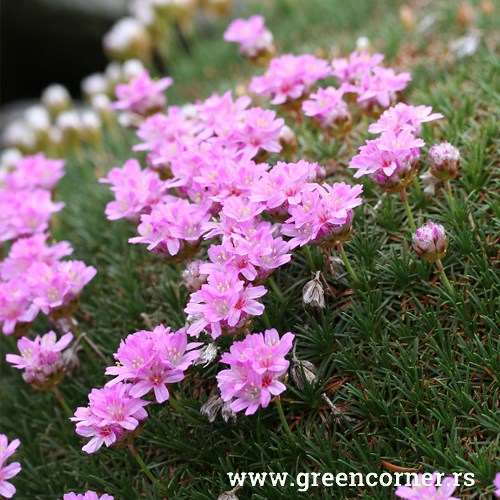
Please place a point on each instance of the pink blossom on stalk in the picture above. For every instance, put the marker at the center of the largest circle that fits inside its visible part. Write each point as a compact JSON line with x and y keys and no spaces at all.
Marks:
{"x":136,"y":191}
{"x":260,"y":130}
{"x":390,"y":160}
{"x":25,"y":212}
{"x":88,"y":495}
{"x":7,"y":490}
{"x":172,"y":227}
{"x":257,"y":364}
{"x":111,"y":412}
{"x":150,"y":360}
{"x":142,"y":95}
{"x":35,"y":171}
{"x":16,"y":305}
{"x":290,"y":77}
{"x":381,"y":87}
{"x":41,"y":358}
{"x":223,"y":302}
{"x":25,"y":251}
{"x":417,"y":490}
{"x":430,"y":242}
{"x":327,"y":107}
{"x":404,"y":117}
{"x":323,"y":215}
{"x":251,"y":34}
{"x":351,"y":71}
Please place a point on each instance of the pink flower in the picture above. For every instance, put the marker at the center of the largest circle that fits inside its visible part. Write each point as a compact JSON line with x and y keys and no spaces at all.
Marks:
{"x":136,"y":191}
{"x":41,"y":358}
{"x":223,"y":302}
{"x":404,"y":117}
{"x":327,"y":107}
{"x":110,"y":414}
{"x":88,"y":495}
{"x":260,"y":130}
{"x":290,"y":77}
{"x":25,"y":251}
{"x":430,"y":242}
{"x":150,"y":360}
{"x":390,"y":159}
{"x":496,"y":484}
{"x":251,"y":34}
{"x":35,"y":171}
{"x":417,"y":490}
{"x":192,"y":276}
{"x":16,"y":304}
{"x":142,"y":95}
{"x":381,"y":87}
{"x":256,"y":365}
{"x":323,"y":215}
{"x":25,"y":212}
{"x":7,"y":490}
{"x":172,"y":227}
{"x":351,"y":71}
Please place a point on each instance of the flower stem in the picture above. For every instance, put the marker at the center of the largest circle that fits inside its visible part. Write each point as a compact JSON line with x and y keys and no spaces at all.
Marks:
{"x":347,"y":265}
{"x":276,"y":290}
{"x":404,"y":198}
{"x":283,"y":419}
{"x":309,"y":257}
{"x":141,"y":463}
{"x":265,"y":317}
{"x":62,"y":402}
{"x":444,"y":277}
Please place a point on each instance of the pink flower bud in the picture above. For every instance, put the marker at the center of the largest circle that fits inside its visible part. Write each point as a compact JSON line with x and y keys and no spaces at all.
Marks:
{"x":430,"y":242}
{"x":445,"y":161}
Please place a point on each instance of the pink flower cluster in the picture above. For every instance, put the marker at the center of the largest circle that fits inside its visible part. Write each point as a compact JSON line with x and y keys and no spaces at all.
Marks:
{"x":391,"y":160}
{"x":374,"y":85}
{"x":33,"y":278}
{"x":41,"y":359}
{"x":88,"y":495}
{"x":150,"y":360}
{"x":110,"y":414}
{"x":256,"y":365}
{"x":26,"y":204}
{"x":142,"y":96}
{"x":7,"y":490}
{"x":290,"y":77}
{"x":252,"y":35}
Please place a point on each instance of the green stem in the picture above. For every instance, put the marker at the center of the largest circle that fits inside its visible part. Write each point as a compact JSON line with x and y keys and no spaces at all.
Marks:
{"x":347,"y":265}
{"x":276,"y":290}
{"x":141,"y":463}
{"x":309,"y":257}
{"x":417,"y":187}
{"x":404,"y":198}
{"x":62,"y":402}
{"x":283,"y":419}
{"x":449,"y":195}
{"x":444,"y":277}
{"x":265,"y":317}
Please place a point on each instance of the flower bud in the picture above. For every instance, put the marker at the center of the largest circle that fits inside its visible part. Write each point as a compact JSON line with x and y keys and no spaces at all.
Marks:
{"x":229,"y":495}
{"x":70,"y":126}
{"x":431,"y":183}
{"x":207,"y":354}
{"x":287,"y":140}
{"x":91,"y":126}
{"x":56,"y":99}
{"x":19,"y":135}
{"x":313,"y":294}
{"x":9,"y":157}
{"x":131,"y":69}
{"x":445,"y":161}
{"x":38,"y":119}
{"x":127,"y":38}
{"x":430,"y":242}
{"x":191,"y":276}
{"x":226,"y":412}
{"x":302,"y":372}
{"x":211,"y":407}
{"x":363,"y":43}
{"x":94,"y":84}
{"x":101,"y":104}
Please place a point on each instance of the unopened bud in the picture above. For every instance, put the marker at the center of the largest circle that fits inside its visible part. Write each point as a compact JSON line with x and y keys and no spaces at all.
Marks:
{"x":363,"y":43}
{"x":211,"y":407}
{"x":430,"y":242}
{"x":302,"y":372}
{"x":431,"y":183}
{"x":313,"y":294}
{"x":56,"y":99}
{"x":94,"y":84}
{"x":288,"y":140}
{"x":445,"y":161}
{"x":229,"y":495}
{"x":91,"y":126}
{"x":191,"y":276}
{"x":9,"y":157}
{"x":128,"y":38}
{"x":131,"y":69}
{"x":208,"y":353}
{"x":226,"y":412}
{"x":101,"y":104}
{"x":18,"y":134}
{"x":70,"y":125}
